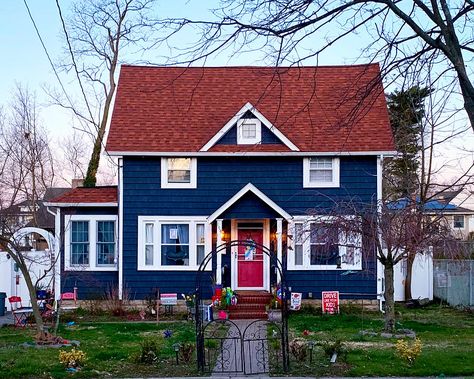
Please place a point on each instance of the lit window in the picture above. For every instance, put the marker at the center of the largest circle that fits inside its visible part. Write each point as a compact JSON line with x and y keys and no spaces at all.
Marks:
{"x":321,"y":172}
{"x":178,"y":172}
{"x":459,"y":221}
{"x":249,"y":131}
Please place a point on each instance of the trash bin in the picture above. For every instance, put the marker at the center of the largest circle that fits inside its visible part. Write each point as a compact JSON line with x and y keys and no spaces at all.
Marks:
{"x":3,"y":296}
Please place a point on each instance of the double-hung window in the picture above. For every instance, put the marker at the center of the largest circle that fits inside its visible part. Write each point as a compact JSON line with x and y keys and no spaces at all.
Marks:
{"x":458,"y":221}
{"x":105,"y":243}
{"x":320,"y":245}
{"x":172,"y":243}
{"x":321,"y":172}
{"x":178,"y":172}
{"x":79,"y":243}
{"x":90,"y":242}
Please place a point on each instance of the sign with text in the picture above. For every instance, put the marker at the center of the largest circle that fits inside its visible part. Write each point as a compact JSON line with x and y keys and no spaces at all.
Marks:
{"x":296,"y":301}
{"x":330,"y":302}
{"x":169,"y":299}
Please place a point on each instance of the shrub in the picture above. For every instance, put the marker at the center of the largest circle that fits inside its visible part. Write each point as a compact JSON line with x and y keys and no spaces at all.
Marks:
{"x":72,"y":359}
{"x":186,"y":351}
{"x":149,"y":350}
{"x":331,"y":347}
{"x":409,"y":351}
{"x":299,"y":349}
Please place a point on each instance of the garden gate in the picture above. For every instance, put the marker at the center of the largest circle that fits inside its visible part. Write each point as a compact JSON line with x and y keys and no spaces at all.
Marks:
{"x":241,"y":346}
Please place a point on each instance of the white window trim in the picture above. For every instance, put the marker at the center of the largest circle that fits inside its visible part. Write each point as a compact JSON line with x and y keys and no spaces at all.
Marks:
{"x":335,"y":175}
{"x":258,"y":131}
{"x":164,"y":175}
{"x":306,"y":266}
{"x":157,"y":221}
{"x":92,"y":219}
{"x":463,"y":222}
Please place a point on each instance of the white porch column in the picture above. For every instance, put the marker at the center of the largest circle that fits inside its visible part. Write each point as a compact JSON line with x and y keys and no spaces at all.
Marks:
{"x":279,"y":236}
{"x":219,"y":256}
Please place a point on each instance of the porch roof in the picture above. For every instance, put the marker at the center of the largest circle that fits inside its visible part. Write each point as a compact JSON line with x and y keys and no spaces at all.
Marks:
{"x":249,"y":189}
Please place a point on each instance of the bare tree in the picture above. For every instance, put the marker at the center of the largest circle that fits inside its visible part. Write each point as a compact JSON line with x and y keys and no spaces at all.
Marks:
{"x":98,"y":33}
{"x":26,"y":171}
{"x":411,"y":38}
{"x":26,"y":162}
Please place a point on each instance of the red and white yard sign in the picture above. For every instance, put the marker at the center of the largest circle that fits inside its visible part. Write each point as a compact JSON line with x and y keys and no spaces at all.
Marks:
{"x":330,"y":302}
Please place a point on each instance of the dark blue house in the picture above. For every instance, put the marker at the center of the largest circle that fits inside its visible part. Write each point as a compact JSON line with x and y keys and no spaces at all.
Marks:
{"x":211,"y":155}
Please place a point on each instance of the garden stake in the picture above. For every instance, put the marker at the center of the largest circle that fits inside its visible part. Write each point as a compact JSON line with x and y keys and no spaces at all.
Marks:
{"x":310,"y":347}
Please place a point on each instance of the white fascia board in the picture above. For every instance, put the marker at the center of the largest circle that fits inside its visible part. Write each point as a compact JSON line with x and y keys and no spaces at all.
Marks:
{"x":81,"y":204}
{"x":249,"y":187}
{"x":238,"y":116}
{"x":249,"y":154}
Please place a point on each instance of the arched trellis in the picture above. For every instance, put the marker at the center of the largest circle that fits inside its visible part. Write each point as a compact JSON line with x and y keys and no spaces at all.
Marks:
{"x":53,"y":246}
{"x":275,"y":265}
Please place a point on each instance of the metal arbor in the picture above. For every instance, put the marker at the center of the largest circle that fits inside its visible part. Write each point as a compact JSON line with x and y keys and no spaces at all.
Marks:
{"x":231,"y":345}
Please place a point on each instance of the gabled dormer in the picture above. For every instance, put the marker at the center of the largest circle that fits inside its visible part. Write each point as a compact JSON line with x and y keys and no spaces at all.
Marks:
{"x":249,"y":127}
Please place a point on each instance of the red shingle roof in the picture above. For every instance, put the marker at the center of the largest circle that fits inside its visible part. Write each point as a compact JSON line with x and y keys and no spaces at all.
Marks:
{"x":319,"y":109}
{"x":82,"y":195}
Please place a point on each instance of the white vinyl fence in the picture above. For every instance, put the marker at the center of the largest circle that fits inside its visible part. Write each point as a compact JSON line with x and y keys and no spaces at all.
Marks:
{"x":454,"y":281}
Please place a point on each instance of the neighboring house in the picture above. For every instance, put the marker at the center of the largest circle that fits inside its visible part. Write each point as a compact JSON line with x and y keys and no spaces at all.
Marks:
{"x":210,"y":155}
{"x":23,"y":214}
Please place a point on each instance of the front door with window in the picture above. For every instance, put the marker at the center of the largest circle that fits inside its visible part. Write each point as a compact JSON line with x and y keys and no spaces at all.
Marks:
{"x":250,"y":259}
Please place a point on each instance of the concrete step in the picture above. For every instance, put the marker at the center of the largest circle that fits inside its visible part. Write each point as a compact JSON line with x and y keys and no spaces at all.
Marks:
{"x":237,"y":315}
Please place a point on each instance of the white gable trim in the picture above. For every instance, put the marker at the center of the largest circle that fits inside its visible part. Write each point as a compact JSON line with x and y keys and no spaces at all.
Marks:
{"x":263,"y":120}
{"x":249,"y":187}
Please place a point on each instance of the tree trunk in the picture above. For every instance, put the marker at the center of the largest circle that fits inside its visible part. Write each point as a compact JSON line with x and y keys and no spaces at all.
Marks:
{"x":410,"y":260}
{"x":389,"y":300}
{"x":34,"y":303}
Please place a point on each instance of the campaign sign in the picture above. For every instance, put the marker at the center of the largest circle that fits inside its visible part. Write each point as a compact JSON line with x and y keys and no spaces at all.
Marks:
{"x":330,"y":302}
{"x":295,"y":301}
{"x":169,"y":299}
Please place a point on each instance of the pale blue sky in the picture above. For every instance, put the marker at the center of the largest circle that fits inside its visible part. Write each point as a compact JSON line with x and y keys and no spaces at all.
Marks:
{"x":24,"y":61}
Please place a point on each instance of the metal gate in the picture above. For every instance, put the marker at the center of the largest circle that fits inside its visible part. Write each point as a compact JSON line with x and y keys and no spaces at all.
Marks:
{"x":241,"y":346}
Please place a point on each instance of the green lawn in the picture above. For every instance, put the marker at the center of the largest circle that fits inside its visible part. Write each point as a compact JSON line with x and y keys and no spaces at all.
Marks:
{"x":447,"y":336}
{"x":110,"y":349}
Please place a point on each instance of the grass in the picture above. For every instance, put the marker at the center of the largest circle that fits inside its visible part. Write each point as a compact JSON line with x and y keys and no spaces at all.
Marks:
{"x":110,"y":349}
{"x":447,"y":336}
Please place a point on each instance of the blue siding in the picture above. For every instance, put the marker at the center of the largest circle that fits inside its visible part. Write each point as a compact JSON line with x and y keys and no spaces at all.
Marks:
{"x":90,"y":284}
{"x":219,"y":178}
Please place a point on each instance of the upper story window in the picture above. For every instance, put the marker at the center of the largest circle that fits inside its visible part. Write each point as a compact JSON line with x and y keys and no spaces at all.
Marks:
{"x":321,"y":172}
{"x":90,"y":242}
{"x":249,"y":131}
{"x":458,"y":221}
{"x":178,"y":173}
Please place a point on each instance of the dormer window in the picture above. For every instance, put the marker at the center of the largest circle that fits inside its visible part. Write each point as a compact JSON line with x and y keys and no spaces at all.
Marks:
{"x":249,"y":131}
{"x":178,"y":173}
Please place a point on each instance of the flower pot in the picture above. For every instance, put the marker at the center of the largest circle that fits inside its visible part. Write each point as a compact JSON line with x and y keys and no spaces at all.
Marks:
{"x":223,"y":315}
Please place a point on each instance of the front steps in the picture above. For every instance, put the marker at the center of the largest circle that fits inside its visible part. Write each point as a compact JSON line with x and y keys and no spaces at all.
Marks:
{"x":250,"y":305}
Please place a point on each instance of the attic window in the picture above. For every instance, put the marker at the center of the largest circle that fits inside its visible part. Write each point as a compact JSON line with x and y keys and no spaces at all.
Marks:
{"x":249,"y":131}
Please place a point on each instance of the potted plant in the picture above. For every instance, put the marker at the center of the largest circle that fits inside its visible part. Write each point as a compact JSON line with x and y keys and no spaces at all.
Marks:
{"x":221,"y":304}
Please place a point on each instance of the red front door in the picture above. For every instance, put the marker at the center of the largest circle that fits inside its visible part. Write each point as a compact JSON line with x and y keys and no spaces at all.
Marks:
{"x":250,"y":259}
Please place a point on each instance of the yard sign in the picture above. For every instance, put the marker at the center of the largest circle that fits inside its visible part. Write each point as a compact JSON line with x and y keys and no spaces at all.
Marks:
{"x":169,"y":299}
{"x":295,"y":301}
{"x":330,"y":302}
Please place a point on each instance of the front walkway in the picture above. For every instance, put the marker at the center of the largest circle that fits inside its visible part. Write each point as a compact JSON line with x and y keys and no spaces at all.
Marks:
{"x":255,"y":350}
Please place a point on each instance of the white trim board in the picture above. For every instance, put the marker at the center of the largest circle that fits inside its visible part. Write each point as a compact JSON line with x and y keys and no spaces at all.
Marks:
{"x":250,"y":153}
{"x":249,"y":188}
{"x":237,"y":117}
{"x":81,"y":204}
